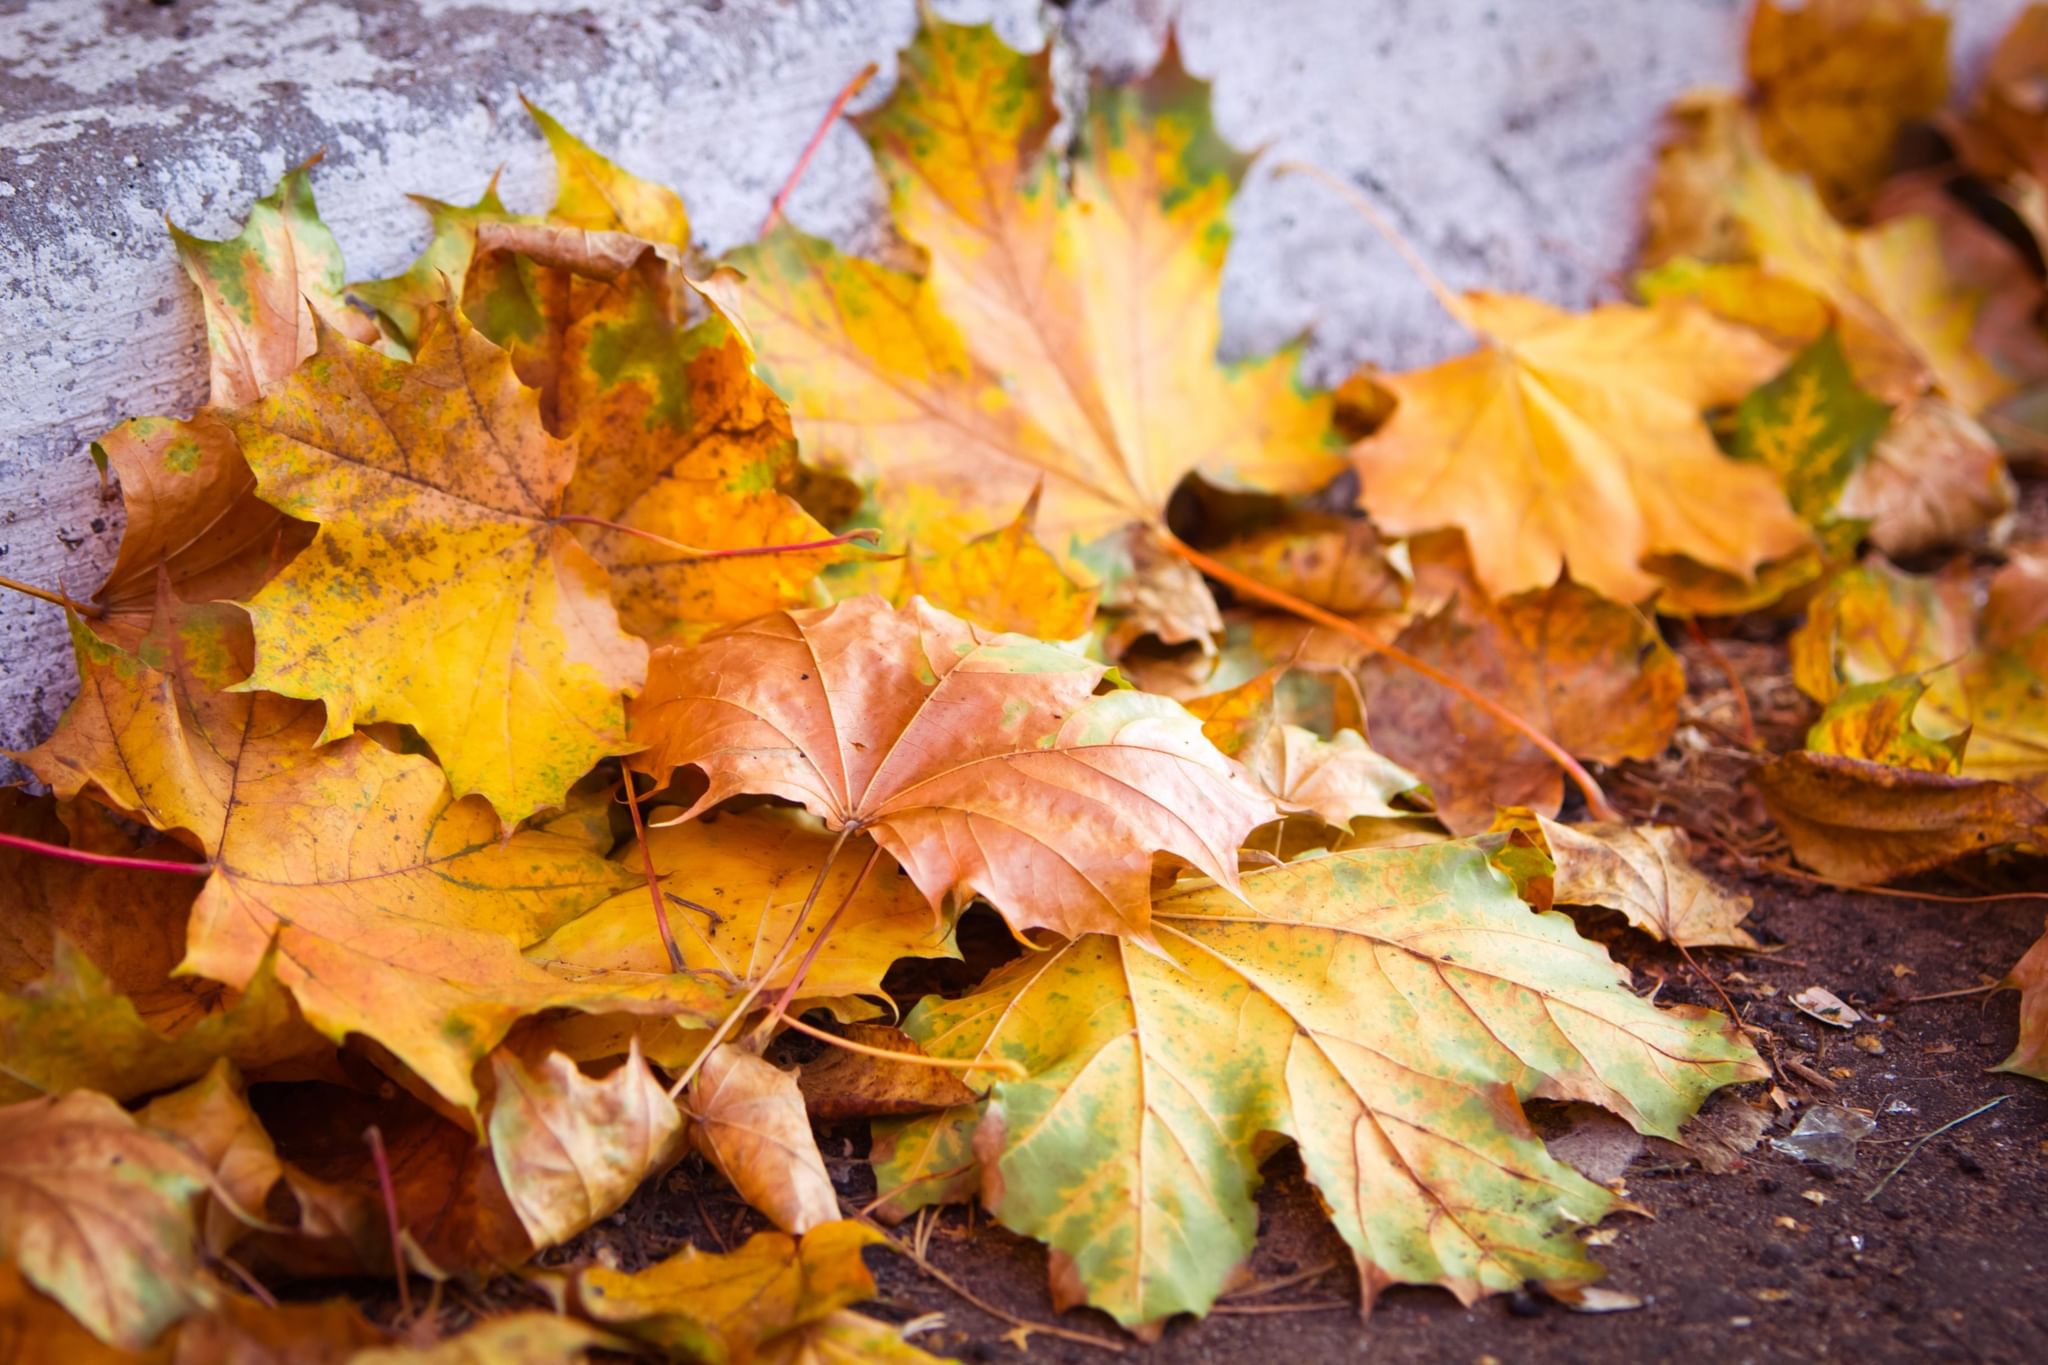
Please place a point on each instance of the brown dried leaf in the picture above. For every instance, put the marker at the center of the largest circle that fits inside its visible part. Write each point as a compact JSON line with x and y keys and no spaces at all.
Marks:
{"x":747,"y":1117}
{"x":843,"y":1085}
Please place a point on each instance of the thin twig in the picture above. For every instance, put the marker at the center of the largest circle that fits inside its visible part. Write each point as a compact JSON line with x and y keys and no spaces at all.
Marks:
{"x":1445,"y":296}
{"x":79,"y":855}
{"x":803,"y":966}
{"x":668,"y":938}
{"x":1948,"y":995}
{"x":1597,"y":804}
{"x":89,"y":610}
{"x":803,"y":160}
{"x":1914,"y":1150}
{"x":1003,"y":1314}
{"x":1787,"y":870}
{"x":1264,"y":1309}
{"x":1009,"y":1068}
{"x":375,"y":1138}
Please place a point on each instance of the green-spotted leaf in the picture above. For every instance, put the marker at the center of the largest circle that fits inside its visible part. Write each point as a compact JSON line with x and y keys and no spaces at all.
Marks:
{"x":1812,"y":426}
{"x":1386,"y":1009}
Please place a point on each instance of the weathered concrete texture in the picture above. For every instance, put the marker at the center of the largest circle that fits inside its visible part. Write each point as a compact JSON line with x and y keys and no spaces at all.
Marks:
{"x":1508,"y":139}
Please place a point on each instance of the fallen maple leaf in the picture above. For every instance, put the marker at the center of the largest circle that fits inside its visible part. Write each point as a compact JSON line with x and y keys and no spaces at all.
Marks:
{"x":1934,"y":478}
{"x":1646,"y":873}
{"x":450,"y":597}
{"x":1051,"y":316}
{"x":982,"y":763}
{"x":1384,"y":1009}
{"x":1337,"y":563}
{"x":1593,"y":672}
{"x":1874,"y":721}
{"x":571,"y":1149}
{"x":730,"y":1306}
{"x":1339,"y":779}
{"x":736,"y":883}
{"x":212,"y":1118}
{"x":97,"y":1212}
{"x":397,"y":912}
{"x":1576,"y":440}
{"x":1812,"y":427}
{"x":747,"y":1118}
{"x":1834,"y":81}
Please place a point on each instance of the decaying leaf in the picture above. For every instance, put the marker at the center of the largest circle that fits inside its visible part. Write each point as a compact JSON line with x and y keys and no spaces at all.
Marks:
{"x":97,"y":1212}
{"x":1646,"y":873}
{"x":843,"y":1085}
{"x":1863,"y":822}
{"x":1934,"y":478}
{"x":747,"y":1117}
{"x":731,"y":1307}
{"x":212,"y":1118}
{"x":982,"y":763}
{"x":1591,"y":673}
{"x":1055,"y":310}
{"x":570,"y":1149}
{"x":1339,"y":779}
{"x":451,"y":598}
{"x":1329,"y":1015}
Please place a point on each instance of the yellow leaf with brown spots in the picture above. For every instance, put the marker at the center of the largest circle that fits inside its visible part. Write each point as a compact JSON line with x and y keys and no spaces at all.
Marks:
{"x":440,"y":591}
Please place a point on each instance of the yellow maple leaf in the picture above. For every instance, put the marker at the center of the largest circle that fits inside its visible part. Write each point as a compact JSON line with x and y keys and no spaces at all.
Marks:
{"x":1575,"y":440}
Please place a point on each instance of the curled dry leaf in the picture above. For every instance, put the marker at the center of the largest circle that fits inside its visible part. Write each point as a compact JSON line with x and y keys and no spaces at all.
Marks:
{"x":1059,"y":302}
{"x":1339,"y":779}
{"x":734,"y":1306}
{"x":512,"y":668}
{"x":1575,"y":441}
{"x":212,"y":1118}
{"x":570,"y":1149}
{"x":1384,"y":1009}
{"x":1646,"y":873}
{"x":982,"y":763}
{"x":840,"y":1085}
{"x":98,"y":1213}
{"x":750,"y":872}
{"x":747,"y":1117}
{"x":1152,"y":594}
{"x":843,"y":1337}
{"x":1591,"y":673}
{"x":1862,"y":822}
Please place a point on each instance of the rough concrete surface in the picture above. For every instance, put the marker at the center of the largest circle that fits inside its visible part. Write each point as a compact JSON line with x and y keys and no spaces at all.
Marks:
{"x":1508,"y":138}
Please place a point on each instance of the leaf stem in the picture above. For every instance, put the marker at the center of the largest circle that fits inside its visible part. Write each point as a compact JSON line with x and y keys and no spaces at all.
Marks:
{"x":90,"y":610}
{"x":803,"y":966}
{"x":374,"y":1136}
{"x":739,"y":1011}
{"x":803,"y":160}
{"x":1013,"y":1070}
{"x":668,"y":938}
{"x":1597,"y":804}
{"x":1446,"y":297}
{"x":866,"y":535}
{"x":1720,"y":661}
{"x":79,"y":855}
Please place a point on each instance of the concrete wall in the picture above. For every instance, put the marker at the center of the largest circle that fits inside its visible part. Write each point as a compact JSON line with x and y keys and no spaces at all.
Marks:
{"x":1509,"y":138}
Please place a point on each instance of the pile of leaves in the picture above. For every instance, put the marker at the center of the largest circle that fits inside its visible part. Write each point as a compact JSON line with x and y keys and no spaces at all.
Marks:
{"x":537,"y":683}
